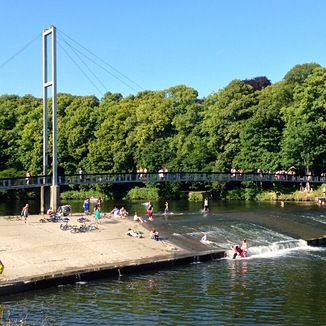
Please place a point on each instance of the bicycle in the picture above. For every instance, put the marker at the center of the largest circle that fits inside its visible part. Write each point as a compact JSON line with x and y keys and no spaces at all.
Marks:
{"x":92,"y":227}
{"x":14,"y":218}
{"x":65,"y":227}
{"x":45,"y":219}
{"x":75,"y":229}
{"x":84,"y":228}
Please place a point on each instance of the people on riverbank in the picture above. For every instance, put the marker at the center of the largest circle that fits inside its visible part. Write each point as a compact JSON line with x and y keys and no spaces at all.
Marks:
{"x":123,"y":212}
{"x":132,"y":233}
{"x":64,"y":210}
{"x":138,"y":218}
{"x":244,"y":248}
{"x":206,"y":209}
{"x":28,"y":177}
{"x":99,"y":203}
{"x":204,"y":238}
{"x":166,"y":208}
{"x":86,"y":205}
{"x":155,"y":235}
{"x":150,"y":211}
{"x":25,"y":212}
{"x":115,"y":212}
{"x":97,"y":214}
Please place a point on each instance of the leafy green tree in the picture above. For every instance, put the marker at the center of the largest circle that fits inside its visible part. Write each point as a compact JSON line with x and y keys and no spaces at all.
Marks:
{"x":262,"y":133}
{"x":25,"y":138}
{"x":224,"y":119}
{"x":109,"y":151}
{"x":76,"y":132}
{"x":299,"y":73}
{"x":304,"y":136}
{"x":8,"y":120}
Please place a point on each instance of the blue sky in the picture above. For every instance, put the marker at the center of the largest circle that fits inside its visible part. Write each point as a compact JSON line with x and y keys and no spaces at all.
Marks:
{"x":154,"y":45}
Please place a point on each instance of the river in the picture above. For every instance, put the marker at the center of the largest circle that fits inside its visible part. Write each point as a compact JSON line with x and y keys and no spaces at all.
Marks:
{"x":282,"y":282}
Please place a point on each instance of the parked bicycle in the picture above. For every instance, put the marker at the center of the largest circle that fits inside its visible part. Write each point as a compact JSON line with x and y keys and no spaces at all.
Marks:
{"x":65,"y":226}
{"x":14,"y":218}
{"x":84,"y":228}
{"x":54,"y":219}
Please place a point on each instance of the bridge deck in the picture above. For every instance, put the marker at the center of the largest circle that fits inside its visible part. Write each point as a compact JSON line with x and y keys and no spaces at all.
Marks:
{"x":114,"y":178}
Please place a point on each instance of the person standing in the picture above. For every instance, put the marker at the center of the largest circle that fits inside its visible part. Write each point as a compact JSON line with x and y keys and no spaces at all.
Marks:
{"x":97,"y":214}
{"x":166,"y":209}
{"x":28,"y":177}
{"x":25,"y":212}
{"x":99,"y":203}
{"x":150,"y":211}
{"x":86,"y":206}
{"x":244,"y":248}
{"x":206,"y":209}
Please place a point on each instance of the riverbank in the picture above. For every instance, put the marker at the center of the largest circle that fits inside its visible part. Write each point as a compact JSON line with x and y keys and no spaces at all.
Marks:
{"x":36,"y":252}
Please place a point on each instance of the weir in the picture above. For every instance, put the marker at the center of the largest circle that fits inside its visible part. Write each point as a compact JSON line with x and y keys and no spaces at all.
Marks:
{"x":99,"y":272}
{"x":317,"y":242}
{"x":271,"y":231}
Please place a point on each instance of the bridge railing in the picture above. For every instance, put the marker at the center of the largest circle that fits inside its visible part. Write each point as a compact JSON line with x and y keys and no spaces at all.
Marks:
{"x":22,"y":183}
{"x":112,"y":178}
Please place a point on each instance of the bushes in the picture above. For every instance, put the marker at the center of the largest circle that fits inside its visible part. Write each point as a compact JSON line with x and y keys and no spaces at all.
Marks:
{"x":142,"y":193}
{"x":195,"y":196}
{"x":74,"y":194}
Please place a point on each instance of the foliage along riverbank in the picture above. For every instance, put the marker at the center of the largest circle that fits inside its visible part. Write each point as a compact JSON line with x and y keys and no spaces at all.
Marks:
{"x":241,"y":193}
{"x":248,"y":125}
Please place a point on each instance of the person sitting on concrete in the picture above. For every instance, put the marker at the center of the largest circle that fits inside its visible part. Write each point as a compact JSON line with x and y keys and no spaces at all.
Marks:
{"x":50,"y":212}
{"x":138,"y":218}
{"x":204,"y":238}
{"x":123,"y":212}
{"x":115,"y":212}
{"x":65,"y":210}
{"x":155,"y":235}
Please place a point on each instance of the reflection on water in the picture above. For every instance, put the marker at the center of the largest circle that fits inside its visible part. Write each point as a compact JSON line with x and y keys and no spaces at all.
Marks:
{"x":282,"y":282}
{"x":283,"y":290}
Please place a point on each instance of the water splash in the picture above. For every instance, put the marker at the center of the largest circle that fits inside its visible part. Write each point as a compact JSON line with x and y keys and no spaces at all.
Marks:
{"x":275,"y":249}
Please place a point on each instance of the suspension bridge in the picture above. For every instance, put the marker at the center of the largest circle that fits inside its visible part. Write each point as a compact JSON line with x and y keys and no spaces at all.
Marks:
{"x":137,"y":178}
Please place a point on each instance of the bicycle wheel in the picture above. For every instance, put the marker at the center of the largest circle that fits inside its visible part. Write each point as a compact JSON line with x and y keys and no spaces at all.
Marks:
{"x":93,"y":227}
{"x":63,"y":227}
{"x":75,"y":229}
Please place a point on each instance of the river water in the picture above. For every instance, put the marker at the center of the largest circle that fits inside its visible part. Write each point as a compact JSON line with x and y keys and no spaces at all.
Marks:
{"x":282,"y":282}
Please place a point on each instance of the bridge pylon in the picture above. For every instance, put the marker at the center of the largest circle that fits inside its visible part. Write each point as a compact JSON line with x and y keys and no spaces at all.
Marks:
{"x":50,"y":81}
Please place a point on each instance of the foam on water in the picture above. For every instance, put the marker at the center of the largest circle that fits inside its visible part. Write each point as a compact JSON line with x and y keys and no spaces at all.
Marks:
{"x":276,"y":249}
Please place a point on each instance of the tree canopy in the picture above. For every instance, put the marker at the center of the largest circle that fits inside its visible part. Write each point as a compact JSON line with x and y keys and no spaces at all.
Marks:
{"x":250,"y":124}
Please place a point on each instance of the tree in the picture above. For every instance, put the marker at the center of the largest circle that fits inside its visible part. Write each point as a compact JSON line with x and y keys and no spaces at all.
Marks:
{"x":299,"y":73}
{"x":304,"y":136}
{"x":109,"y":151}
{"x":225,"y":117}
{"x":261,"y":136}
{"x":76,"y":132}
{"x":258,"y":83}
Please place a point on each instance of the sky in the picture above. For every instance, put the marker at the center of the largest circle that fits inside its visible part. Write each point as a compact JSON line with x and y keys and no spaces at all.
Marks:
{"x":128,"y":46}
